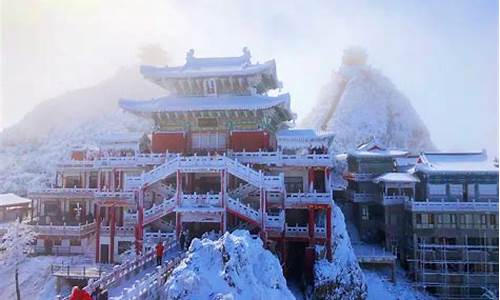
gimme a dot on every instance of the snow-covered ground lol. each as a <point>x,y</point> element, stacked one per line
<point>35,279</point>
<point>380,286</point>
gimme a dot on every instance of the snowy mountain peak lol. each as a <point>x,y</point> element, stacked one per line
<point>359,103</point>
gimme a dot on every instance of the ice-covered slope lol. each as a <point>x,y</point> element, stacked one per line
<point>236,266</point>
<point>342,278</point>
<point>359,103</point>
<point>30,149</point>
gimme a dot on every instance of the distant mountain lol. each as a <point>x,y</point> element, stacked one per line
<point>360,103</point>
<point>30,150</point>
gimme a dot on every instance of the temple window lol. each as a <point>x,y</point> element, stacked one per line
<point>210,87</point>
<point>207,122</point>
<point>364,213</point>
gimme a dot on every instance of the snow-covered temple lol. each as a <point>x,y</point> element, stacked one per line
<point>222,156</point>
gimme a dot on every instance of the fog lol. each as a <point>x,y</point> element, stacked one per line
<point>443,55</point>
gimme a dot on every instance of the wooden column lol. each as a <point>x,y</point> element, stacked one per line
<point>83,212</point>
<point>178,224</point>
<point>178,187</point>
<point>311,225</point>
<point>329,233</point>
<point>32,209</point>
<point>97,232</point>
<point>112,180</point>
<point>99,180</point>
<point>327,179</point>
<point>112,234</point>
<point>223,200</point>
<point>222,222</point>
<point>310,180</point>
<point>140,223</point>
<point>263,208</point>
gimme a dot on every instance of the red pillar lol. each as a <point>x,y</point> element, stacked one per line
<point>83,213</point>
<point>140,223</point>
<point>97,232</point>
<point>120,216</point>
<point>112,231</point>
<point>222,223</point>
<point>327,179</point>
<point>310,176</point>
<point>223,202</point>
<point>99,180</point>
<point>178,224</point>
<point>178,187</point>
<point>311,225</point>
<point>263,208</point>
<point>112,179</point>
<point>329,233</point>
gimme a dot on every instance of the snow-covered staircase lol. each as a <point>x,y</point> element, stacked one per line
<point>165,191</point>
<point>243,191</point>
<point>210,164</point>
<point>245,211</point>
<point>158,211</point>
<point>154,213</point>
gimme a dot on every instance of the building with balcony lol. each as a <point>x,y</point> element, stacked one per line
<point>437,211</point>
<point>223,155</point>
<point>374,193</point>
<point>452,225</point>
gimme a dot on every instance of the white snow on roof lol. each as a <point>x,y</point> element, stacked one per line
<point>396,177</point>
<point>302,134</point>
<point>372,148</point>
<point>300,138</point>
<point>406,161</point>
<point>12,199</point>
<point>207,71</point>
<point>379,153</point>
<point>172,103</point>
<point>456,162</point>
<point>210,67</point>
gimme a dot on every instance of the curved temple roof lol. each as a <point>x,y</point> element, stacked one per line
<point>210,67</point>
<point>179,104</point>
<point>455,162</point>
<point>396,177</point>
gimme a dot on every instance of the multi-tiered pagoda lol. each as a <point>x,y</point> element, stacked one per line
<point>222,156</point>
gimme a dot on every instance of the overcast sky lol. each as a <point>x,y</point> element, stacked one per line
<point>442,54</point>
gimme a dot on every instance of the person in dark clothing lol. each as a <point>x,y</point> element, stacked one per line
<point>96,292</point>
<point>159,253</point>
<point>182,240</point>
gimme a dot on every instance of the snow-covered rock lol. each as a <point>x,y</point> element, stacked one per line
<point>360,103</point>
<point>30,150</point>
<point>236,266</point>
<point>342,278</point>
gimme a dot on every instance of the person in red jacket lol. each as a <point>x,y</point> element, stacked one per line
<point>159,253</point>
<point>79,294</point>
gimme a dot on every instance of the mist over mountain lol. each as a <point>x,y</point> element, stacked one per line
<point>360,103</point>
<point>30,150</point>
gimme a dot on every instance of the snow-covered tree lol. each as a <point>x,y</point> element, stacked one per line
<point>15,245</point>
